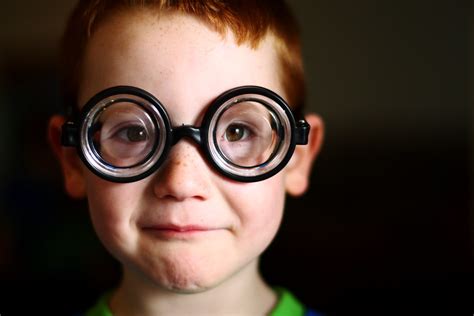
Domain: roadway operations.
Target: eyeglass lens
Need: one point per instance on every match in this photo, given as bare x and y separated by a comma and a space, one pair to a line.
123, 134
246, 134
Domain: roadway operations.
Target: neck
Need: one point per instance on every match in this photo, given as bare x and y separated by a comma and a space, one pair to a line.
243, 293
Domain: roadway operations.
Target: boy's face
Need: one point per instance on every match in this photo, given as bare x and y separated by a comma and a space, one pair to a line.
185, 227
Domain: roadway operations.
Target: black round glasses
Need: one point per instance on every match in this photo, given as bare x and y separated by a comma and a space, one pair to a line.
123, 134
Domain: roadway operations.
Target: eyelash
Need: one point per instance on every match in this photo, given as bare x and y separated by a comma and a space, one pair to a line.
248, 131
124, 128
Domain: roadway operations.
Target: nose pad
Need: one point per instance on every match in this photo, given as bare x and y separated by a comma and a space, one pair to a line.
184, 175
186, 131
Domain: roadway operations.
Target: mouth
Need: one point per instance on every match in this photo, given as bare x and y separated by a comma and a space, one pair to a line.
178, 232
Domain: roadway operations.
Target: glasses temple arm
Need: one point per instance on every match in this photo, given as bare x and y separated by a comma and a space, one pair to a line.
302, 132
69, 135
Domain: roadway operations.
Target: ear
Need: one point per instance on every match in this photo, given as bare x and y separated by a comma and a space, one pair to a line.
299, 168
73, 173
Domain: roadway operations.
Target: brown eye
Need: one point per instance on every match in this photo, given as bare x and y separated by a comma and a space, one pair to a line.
235, 132
136, 133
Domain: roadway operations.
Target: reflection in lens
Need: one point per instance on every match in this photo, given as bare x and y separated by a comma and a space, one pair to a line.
247, 134
123, 134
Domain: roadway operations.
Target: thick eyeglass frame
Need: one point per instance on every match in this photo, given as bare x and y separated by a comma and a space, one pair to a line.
71, 131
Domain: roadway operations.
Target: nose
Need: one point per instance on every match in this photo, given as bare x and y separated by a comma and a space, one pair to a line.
184, 175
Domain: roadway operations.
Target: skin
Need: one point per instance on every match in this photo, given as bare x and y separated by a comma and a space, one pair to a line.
213, 270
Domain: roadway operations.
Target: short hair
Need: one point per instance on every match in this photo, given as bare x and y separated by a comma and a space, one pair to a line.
249, 20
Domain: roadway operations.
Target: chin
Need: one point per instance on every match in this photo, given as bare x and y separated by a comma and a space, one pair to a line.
183, 282
184, 276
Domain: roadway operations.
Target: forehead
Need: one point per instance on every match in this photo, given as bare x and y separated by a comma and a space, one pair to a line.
176, 57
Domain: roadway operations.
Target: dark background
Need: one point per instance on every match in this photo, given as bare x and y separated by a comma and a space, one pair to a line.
387, 225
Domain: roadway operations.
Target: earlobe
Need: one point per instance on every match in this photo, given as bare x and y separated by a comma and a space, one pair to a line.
74, 181
299, 169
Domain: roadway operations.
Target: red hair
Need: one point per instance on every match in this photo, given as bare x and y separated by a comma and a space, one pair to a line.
249, 20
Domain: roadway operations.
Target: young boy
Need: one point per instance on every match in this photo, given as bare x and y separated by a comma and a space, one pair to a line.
185, 147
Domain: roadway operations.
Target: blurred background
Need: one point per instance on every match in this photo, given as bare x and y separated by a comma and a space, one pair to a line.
387, 225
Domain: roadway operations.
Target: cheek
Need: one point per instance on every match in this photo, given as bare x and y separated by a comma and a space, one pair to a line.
261, 211
111, 207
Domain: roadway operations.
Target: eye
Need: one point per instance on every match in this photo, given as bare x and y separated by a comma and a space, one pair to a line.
236, 132
134, 133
